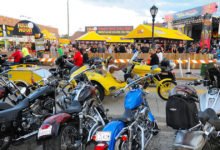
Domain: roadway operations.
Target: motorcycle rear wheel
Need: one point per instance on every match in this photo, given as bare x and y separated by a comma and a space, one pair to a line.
65, 140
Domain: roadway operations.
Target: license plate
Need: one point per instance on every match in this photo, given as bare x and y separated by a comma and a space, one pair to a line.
44, 132
103, 136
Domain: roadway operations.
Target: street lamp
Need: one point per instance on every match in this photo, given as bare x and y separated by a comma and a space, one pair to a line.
153, 11
68, 20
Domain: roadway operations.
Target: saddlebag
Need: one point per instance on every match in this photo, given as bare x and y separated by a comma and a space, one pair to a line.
181, 112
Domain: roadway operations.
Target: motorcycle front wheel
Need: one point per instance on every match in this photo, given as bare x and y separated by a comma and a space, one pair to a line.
5, 143
65, 140
164, 89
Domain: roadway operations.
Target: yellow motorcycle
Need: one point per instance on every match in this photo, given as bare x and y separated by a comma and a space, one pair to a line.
106, 83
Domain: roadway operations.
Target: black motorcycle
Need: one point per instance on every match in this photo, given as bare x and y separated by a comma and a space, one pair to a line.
74, 127
22, 121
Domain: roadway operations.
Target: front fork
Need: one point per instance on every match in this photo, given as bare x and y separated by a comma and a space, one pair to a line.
81, 129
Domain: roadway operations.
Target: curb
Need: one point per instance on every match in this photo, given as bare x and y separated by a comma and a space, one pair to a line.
187, 78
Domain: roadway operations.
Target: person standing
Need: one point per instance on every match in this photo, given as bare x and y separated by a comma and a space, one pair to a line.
17, 55
60, 50
25, 52
180, 49
53, 52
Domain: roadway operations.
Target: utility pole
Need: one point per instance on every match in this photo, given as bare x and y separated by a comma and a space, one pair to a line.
68, 23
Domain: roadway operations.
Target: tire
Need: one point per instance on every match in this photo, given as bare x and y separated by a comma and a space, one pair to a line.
156, 129
3, 144
121, 145
161, 91
57, 143
100, 90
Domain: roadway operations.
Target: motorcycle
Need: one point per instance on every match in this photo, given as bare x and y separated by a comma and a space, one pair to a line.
106, 84
204, 136
135, 128
83, 115
20, 122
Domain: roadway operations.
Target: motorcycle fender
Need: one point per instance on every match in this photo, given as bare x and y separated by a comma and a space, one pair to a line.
161, 82
189, 140
114, 127
50, 126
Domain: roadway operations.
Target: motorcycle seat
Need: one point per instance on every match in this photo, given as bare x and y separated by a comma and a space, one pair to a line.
75, 107
207, 115
127, 117
12, 113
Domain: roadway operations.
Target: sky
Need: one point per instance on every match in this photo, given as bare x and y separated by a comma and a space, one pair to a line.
93, 12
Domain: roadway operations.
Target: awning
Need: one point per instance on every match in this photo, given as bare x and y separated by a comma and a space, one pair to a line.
91, 36
145, 32
64, 41
48, 35
116, 39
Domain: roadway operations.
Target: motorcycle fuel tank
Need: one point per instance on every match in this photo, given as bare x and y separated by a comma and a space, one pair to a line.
133, 99
211, 99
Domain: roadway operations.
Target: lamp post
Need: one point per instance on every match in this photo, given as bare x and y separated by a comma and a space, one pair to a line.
153, 11
68, 23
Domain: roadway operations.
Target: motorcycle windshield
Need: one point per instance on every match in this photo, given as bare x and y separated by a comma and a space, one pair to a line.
42, 73
134, 56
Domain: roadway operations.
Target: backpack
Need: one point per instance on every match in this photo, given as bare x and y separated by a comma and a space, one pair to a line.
181, 112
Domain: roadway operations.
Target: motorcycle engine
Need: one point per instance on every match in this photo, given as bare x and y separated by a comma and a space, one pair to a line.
43, 107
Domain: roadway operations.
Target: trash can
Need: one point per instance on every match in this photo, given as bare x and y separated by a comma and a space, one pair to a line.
205, 67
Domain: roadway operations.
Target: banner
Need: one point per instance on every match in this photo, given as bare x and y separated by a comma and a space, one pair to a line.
27, 28
206, 31
198, 11
1, 31
110, 30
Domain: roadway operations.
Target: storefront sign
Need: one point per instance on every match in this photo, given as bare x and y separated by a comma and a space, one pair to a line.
110, 30
198, 11
25, 27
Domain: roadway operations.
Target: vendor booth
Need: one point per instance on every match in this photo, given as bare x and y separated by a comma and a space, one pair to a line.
91, 38
145, 32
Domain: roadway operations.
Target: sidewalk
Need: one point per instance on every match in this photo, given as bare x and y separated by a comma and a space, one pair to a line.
195, 74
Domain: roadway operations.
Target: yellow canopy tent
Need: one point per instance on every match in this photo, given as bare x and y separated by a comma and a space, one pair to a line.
64, 41
91, 36
116, 39
48, 35
145, 32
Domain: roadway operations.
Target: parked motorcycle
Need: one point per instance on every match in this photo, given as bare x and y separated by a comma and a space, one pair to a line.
204, 136
22, 121
74, 127
135, 128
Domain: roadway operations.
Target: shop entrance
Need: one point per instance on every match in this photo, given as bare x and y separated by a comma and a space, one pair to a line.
196, 32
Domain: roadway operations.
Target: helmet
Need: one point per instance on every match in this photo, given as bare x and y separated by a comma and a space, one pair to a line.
185, 91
